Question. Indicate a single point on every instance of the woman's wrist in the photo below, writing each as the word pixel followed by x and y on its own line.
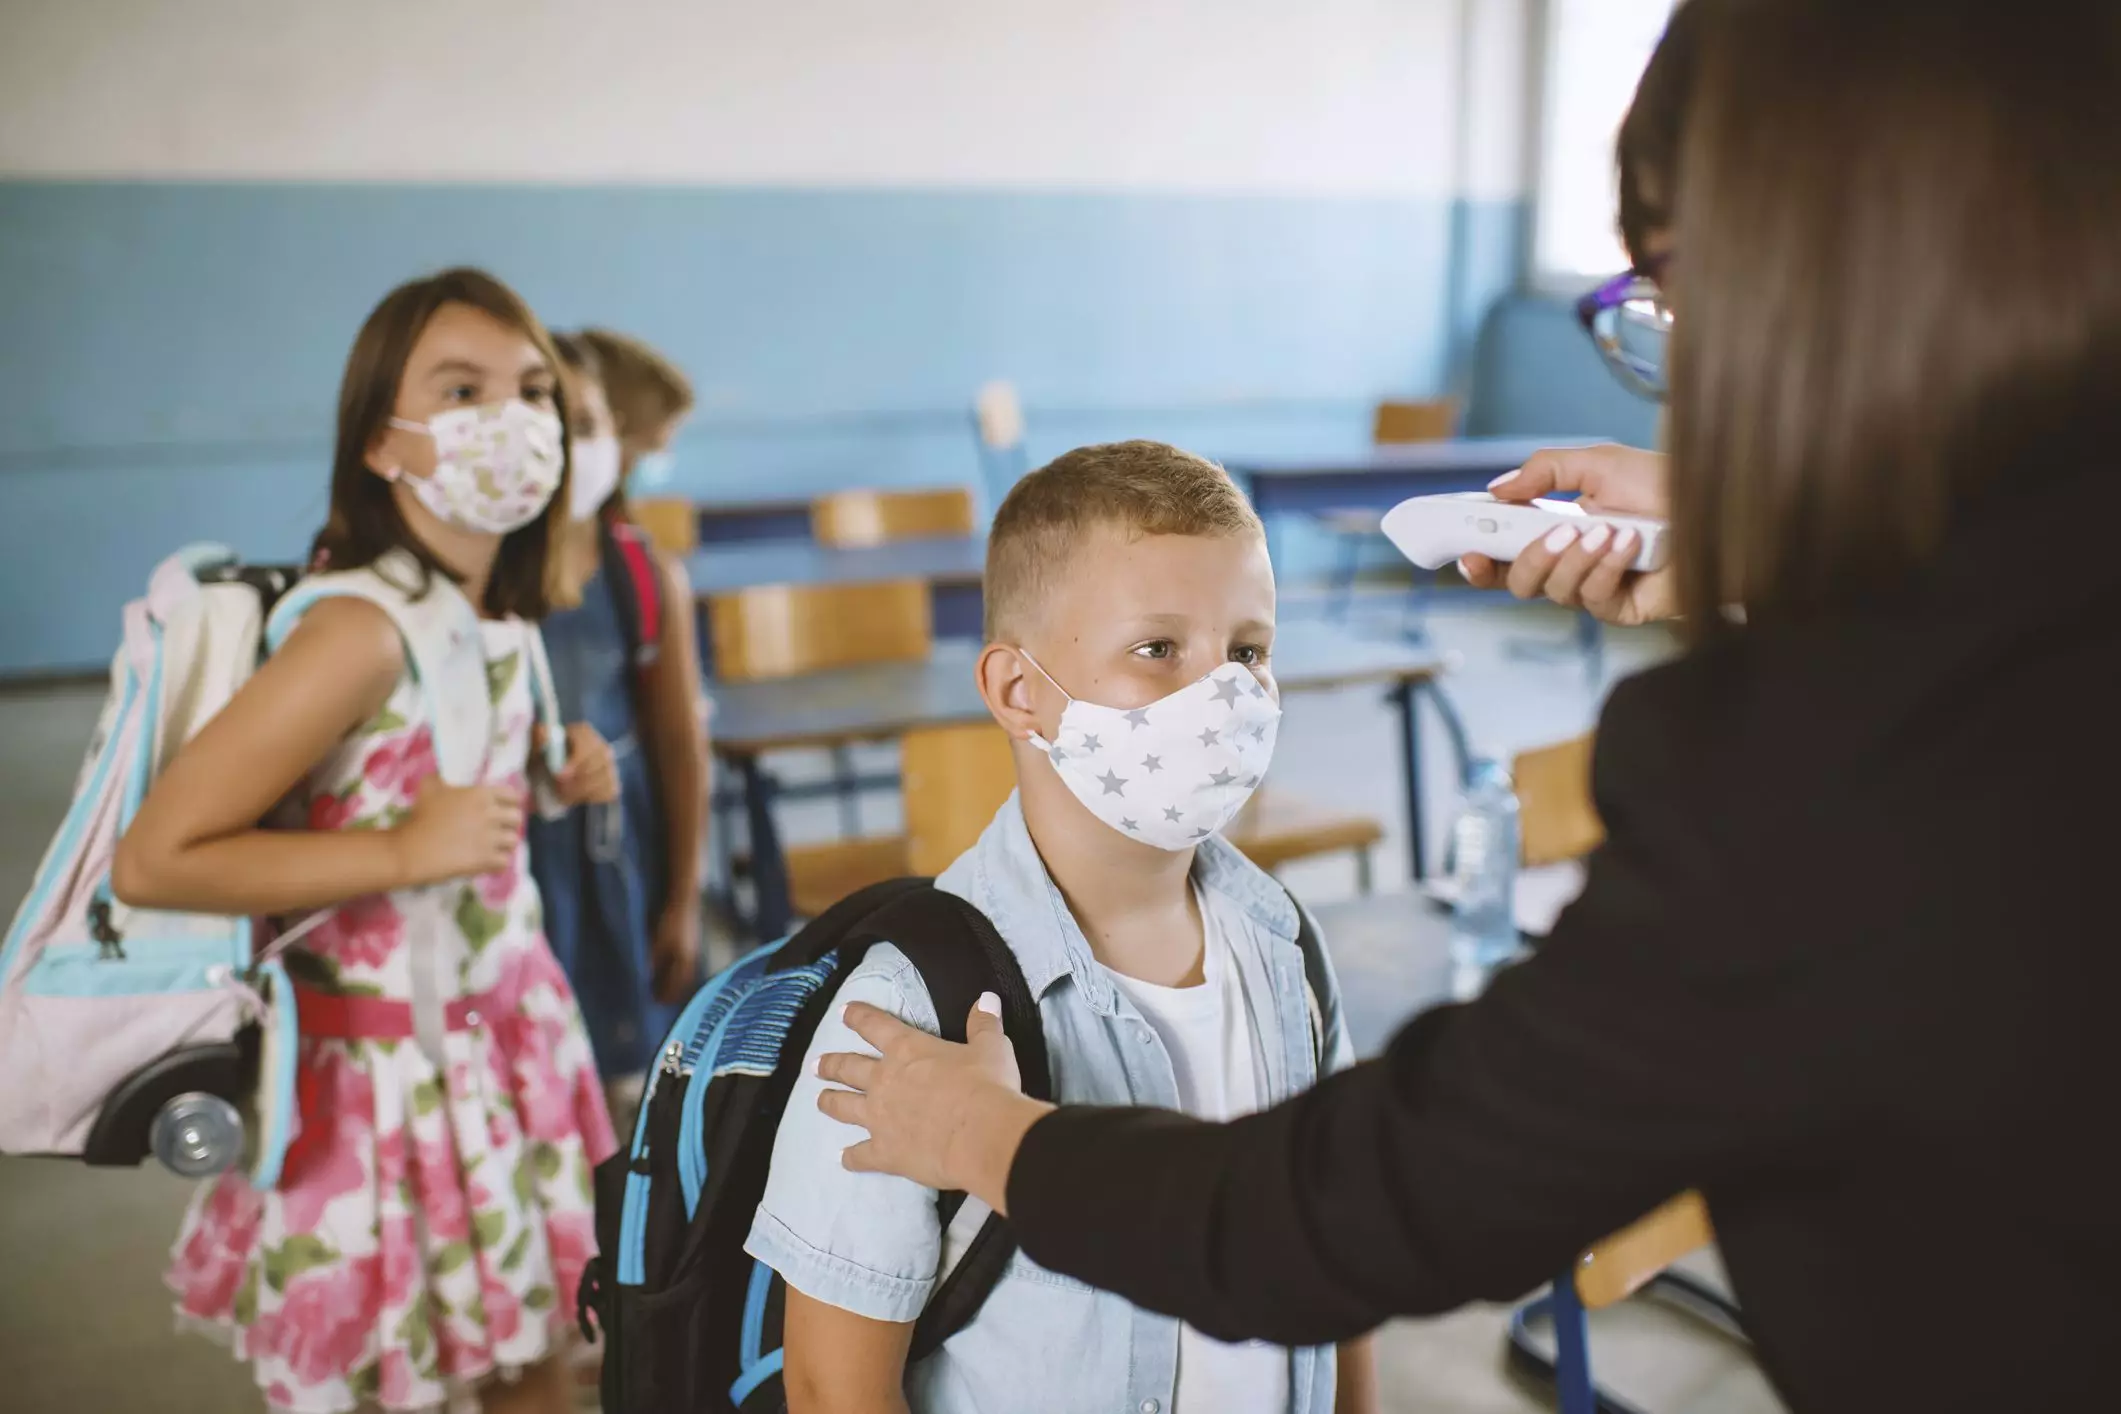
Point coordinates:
pixel 984 1149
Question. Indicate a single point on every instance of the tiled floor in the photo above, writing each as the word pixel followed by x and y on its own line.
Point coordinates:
pixel 83 1324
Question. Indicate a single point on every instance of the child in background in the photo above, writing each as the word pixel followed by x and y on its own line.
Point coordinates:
pixel 429 1229
pixel 621 882
pixel 1130 622
pixel 650 400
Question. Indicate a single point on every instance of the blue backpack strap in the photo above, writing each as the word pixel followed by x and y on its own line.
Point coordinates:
pixel 440 630
pixel 545 700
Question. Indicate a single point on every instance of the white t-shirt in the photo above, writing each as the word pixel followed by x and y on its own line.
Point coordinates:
pixel 1221 1071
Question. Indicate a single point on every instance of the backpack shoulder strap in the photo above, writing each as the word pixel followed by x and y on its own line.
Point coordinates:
pixel 545 701
pixel 440 630
pixel 629 564
pixel 959 955
pixel 1318 979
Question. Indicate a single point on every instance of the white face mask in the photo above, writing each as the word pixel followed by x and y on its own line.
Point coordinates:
pixel 496 465
pixel 1176 771
pixel 595 475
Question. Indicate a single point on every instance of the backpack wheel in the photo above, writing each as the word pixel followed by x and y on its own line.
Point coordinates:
pixel 197 1135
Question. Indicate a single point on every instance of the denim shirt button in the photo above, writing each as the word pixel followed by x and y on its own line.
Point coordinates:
pixel 1150 1406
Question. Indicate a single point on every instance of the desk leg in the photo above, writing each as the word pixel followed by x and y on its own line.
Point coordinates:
pixel 769 867
pixel 1403 695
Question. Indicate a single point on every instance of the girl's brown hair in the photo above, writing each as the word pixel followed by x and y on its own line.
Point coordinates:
pixel 1898 285
pixel 364 523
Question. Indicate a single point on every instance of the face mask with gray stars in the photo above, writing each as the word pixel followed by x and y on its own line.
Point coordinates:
pixel 1174 772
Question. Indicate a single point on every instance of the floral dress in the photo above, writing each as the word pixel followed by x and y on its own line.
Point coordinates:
pixel 432 1222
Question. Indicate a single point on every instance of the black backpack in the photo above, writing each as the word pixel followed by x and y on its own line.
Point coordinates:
pixel 690 1321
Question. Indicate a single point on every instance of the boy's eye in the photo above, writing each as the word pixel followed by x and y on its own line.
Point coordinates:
pixel 1250 655
pixel 1158 648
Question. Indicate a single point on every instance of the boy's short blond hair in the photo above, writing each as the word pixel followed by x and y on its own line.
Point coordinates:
pixel 1145 488
pixel 644 388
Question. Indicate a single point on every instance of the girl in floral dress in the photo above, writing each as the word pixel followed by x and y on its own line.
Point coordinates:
pixel 433 1216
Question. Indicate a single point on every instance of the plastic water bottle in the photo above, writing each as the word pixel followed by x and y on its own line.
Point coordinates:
pixel 1484 850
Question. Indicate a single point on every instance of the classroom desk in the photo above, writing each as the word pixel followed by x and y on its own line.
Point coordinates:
pixel 719 569
pixel 1379 478
pixel 882 701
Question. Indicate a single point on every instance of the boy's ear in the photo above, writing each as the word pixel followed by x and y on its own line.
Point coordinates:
pixel 1004 684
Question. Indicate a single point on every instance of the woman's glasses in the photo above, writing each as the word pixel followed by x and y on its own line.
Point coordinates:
pixel 1630 323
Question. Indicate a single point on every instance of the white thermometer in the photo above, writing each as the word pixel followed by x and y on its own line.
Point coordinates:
pixel 1433 531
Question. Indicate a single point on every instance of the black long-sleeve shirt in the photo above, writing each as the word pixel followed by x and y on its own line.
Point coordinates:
pixel 1848 964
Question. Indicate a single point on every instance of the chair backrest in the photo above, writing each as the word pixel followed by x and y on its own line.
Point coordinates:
pixel 1433 421
pixel 954 778
pixel 1557 819
pixel 875 517
pixel 1613 1270
pixel 671 522
pixel 782 630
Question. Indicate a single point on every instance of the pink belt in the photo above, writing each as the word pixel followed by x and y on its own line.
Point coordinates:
pixel 334 1017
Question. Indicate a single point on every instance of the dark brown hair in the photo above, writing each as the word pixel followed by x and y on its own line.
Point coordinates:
pixel 364 523
pixel 1647 152
pixel 1898 285
pixel 1148 488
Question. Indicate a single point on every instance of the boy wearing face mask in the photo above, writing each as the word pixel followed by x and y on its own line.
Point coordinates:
pixel 1130 626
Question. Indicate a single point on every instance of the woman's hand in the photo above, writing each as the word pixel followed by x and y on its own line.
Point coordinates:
pixel 944 1115
pixel 591 775
pixel 1589 571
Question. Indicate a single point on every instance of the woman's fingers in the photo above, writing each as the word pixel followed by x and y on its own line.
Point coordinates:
pixel 1480 572
pixel 1562 469
pixel 878 1027
pixel 1604 590
pixel 1565 584
pixel 859 1158
pixel 1533 566
pixel 847 1068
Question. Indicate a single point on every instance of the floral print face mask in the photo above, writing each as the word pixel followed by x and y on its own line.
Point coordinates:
pixel 496 465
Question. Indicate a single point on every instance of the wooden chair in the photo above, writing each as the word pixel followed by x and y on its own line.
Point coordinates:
pixel 776 631
pixel 1433 420
pixel 868 517
pixel 1393 424
pixel 955 777
pixel 1556 819
pixel 1635 1259
pixel 871 517
pixel 782 630
pixel 1277 828
pixel 671 523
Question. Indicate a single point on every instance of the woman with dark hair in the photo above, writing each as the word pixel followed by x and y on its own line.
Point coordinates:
pixel 1845 962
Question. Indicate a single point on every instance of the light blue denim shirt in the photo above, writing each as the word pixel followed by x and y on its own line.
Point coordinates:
pixel 868 1243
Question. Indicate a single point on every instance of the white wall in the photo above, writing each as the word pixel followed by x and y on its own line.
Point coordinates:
pixel 1300 96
